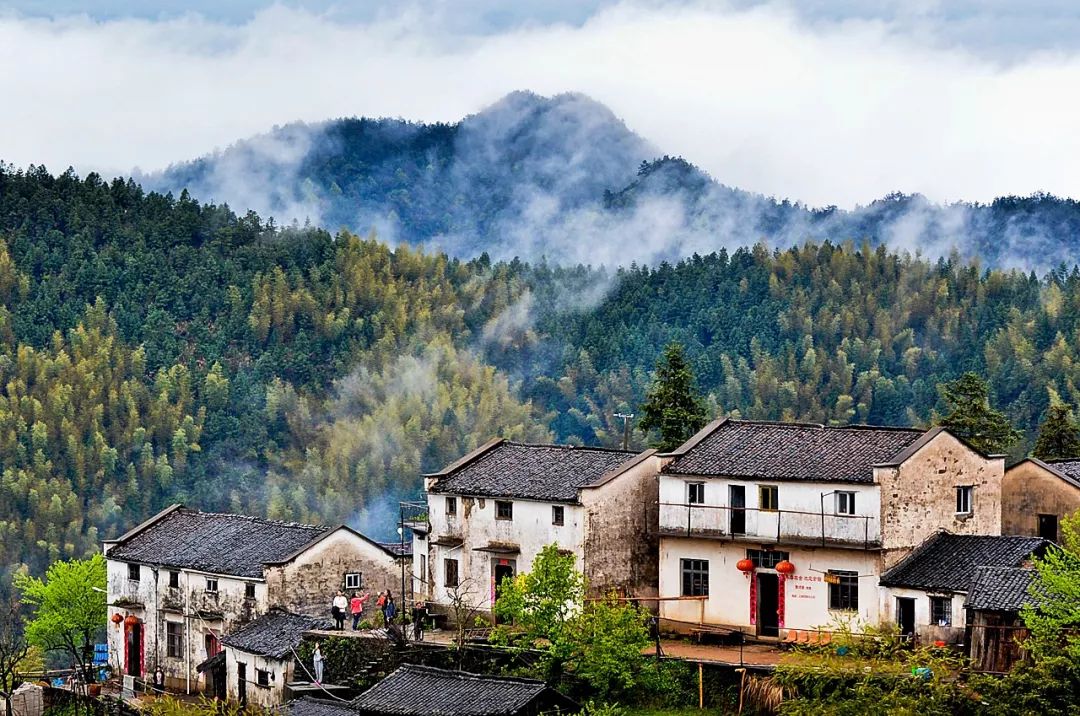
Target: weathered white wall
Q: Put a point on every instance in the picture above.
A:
(794, 498)
(806, 595)
(531, 529)
(924, 630)
(264, 696)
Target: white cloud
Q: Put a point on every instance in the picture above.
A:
(834, 112)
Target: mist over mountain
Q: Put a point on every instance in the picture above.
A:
(563, 178)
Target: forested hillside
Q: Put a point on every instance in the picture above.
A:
(563, 178)
(156, 349)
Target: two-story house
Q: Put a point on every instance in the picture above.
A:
(766, 527)
(491, 512)
(181, 581)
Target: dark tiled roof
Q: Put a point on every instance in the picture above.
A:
(946, 562)
(397, 548)
(792, 451)
(218, 543)
(539, 472)
(274, 634)
(1069, 468)
(308, 706)
(424, 690)
(1001, 589)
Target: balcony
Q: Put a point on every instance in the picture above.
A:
(750, 524)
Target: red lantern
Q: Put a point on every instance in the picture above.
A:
(131, 620)
(785, 567)
(116, 618)
(745, 565)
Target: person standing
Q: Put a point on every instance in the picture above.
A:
(419, 616)
(356, 606)
(341, 605)
(317, 660)
(390, 609)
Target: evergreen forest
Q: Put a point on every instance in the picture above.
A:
(157, 349)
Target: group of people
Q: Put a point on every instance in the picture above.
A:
(343, 606)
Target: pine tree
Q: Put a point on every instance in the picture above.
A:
(971, 417)
(1059, 434)
(672, 405)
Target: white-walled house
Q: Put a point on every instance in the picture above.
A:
(926, 593)
(261, 655)
(832, 507)
(491, 512)
(181, 581)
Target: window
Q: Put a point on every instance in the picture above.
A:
(963, 500)
(450, 575)
(133, 572)
(695, 577)
(174, 580)
(354, 580)
(695, 493)
(451, 506)
(174, 640)
(941, 611)
(845, 503)
(843, 589)
(766, 558)
(769, 498)
(211, 585)
(504, 510)
(558, 515)
(249, 590)
(213, 646)
(262, 677)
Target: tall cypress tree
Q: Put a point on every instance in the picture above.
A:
(672, 405)
(973, 419)
(1059, 434)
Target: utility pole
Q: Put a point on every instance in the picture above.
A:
(626, 418)
(401, 556)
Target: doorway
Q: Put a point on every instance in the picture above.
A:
(768, 604)
(737, 500)
(503, 569)
(905, 615)
(133, 650)
(1048, 527)
(241, 683)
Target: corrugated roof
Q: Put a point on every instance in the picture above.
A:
(414, 690)
(274, 634)
(1001, 589)
(947, 562)
(215, 542)
(539, 472)
(791, 451)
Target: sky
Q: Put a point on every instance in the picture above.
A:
(829, 102)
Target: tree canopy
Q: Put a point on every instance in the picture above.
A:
(673, 407)
(972, 419)
(1059, 434)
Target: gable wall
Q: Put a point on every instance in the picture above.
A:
(1029, 490)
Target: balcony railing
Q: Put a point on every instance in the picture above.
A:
(758, 525)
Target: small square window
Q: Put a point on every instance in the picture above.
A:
(262, 677)
(843, 590)
(766, 558)
(211, 585)
(174, 580)
(769, 498)
(450, 572)
(964, 504)
(451, 506)
(249, 590)
(845, 503)
(504, 510)
(695, 493)
(174, 640)
(558, 515)
(133, 572)
(941, 611)
(695, 577)
(354, 580)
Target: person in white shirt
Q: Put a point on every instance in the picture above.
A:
(340, 608)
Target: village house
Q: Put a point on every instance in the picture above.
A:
(770, 528)
(1037, 495)
(184, 579)
(926, 593)
(260, 657)
(995, 628)
(413, 690)
(490, 513)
